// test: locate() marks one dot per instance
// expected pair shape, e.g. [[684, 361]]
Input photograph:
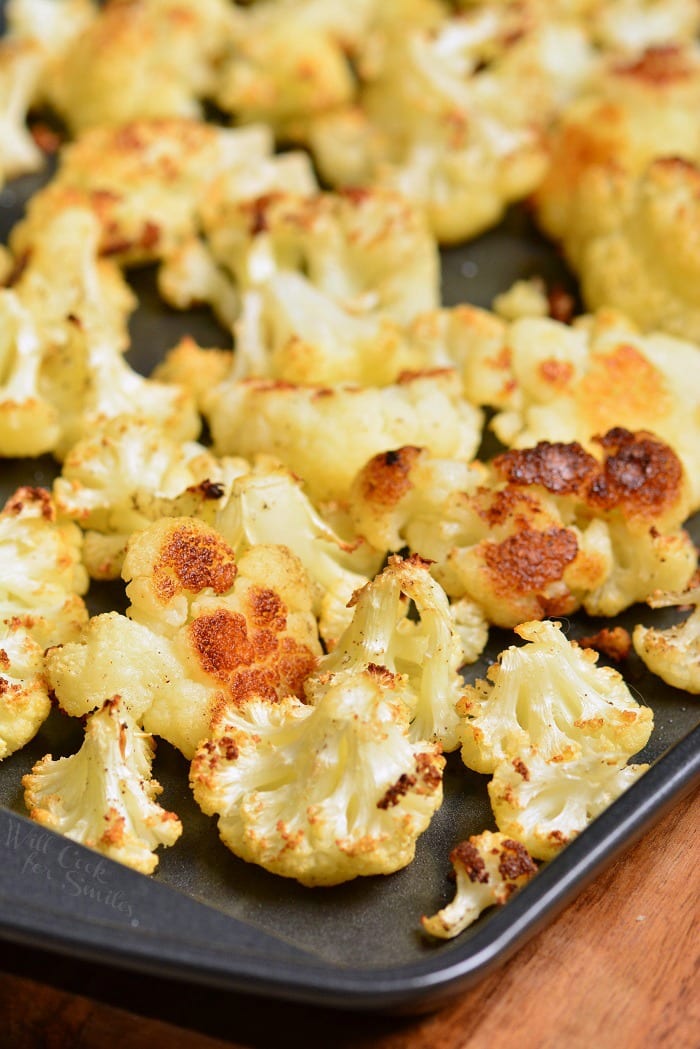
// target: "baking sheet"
[[207, 916]]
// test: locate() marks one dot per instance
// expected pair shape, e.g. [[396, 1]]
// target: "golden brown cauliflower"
[[673, 652]]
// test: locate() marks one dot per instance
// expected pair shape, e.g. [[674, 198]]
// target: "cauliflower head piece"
[[673, 653], [307, 428], [24, 696], [21, 65], [550, 694], [321, 793], [41, 568], [489, 868], [544, 804], [103, 796]]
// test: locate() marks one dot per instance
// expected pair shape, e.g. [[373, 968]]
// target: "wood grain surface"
[[620, 968]]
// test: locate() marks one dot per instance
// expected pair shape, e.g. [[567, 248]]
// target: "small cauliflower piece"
[[268, 505], [104, 796], [195, 367], [288, 61], [307, 427], [426, 651], [41, 570], [153, 59], [21, 66], [129, 474], [673, 653], [550, 694], [489, 869], [545, 804], [24, 697], [321, 793]]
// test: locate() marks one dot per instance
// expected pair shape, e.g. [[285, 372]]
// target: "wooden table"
[[620, 968]]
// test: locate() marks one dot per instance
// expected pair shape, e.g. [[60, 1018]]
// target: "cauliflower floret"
[[569, 383], [144, 182], [24, 697], [307, 428], [129, 474], [673, 653], [41, 572], [510, 551], [368, 250], [551, 695], [321, 793], [545, 804], [489, 869], [103, 796], [204, 629], [50, 23], [20, 70], [29, 423], [288, 61], [426, 652], [153, 59], [453, 115], [268, 505], [632, 503], [199, 369]]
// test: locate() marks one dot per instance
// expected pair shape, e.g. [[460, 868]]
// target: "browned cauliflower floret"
[[140, 58], [674, 652], [144, 181], [24, 695], [321, 793], [489, 869], [307, 427], [621, 190], [20, 71], [205, 629], [104, 796]]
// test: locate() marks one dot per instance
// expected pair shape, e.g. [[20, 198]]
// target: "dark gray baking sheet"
[[207, 916]]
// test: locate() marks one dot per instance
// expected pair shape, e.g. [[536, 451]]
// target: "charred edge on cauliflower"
[[387, 476], [192, 560]]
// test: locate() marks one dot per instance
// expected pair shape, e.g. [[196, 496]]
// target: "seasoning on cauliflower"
[[306, 427], [24, 697], [489, 869], [674, 652], [204, 629], [321, 793], [268, 505], [103, 796], [154, 59], [41, 571], [288, 60], [426, 652], [550, 694], [144, 182], [544, 804], [128, 474]]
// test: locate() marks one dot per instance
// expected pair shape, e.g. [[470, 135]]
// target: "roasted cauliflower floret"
[[129, 474], [144, 182], [268, 505], [452, 115], [305, 427], [550, 694], [571, 383], [152, 58], [674, 652], [426, 651], [20, 70], [489, 869], [41, 569], [24, 696], [321, 793], [544, 804], [288, 60], [103, 796]]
